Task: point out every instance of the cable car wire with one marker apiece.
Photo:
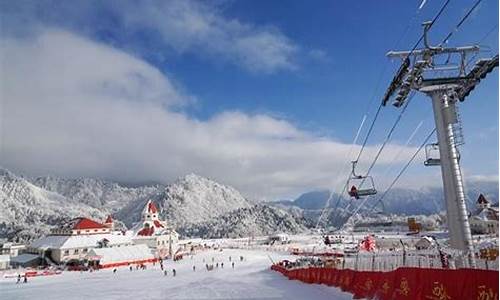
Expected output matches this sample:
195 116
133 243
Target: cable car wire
457 27
401 172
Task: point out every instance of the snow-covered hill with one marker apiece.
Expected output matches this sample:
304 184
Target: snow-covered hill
96 193
257 220
189 200
27 211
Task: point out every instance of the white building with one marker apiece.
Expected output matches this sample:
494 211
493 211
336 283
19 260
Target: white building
156 234
73 240
4 261
485 219
12 249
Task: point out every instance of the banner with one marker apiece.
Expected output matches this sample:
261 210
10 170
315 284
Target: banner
403 283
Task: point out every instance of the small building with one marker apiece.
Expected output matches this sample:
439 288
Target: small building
12 249
4 261
279 238
425 243
155 233
484 220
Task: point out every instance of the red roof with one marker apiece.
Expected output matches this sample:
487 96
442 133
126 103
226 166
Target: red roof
152 208
108 220
84 223
157 223
146 231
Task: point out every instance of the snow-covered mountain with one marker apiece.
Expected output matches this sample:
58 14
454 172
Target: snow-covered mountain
27 211
189 200
257 220
96 193
30 207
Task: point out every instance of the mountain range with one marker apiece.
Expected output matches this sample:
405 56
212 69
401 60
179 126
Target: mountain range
195 205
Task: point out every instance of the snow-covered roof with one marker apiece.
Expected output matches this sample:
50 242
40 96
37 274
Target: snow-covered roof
79 241
486 214
122 254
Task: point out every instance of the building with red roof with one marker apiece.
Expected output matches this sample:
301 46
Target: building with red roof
81 226
155 233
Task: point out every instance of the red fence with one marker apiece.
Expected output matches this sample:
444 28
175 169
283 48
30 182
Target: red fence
404 283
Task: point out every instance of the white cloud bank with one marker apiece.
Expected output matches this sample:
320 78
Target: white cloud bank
73 107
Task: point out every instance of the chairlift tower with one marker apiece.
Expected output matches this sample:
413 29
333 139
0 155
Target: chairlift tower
445 92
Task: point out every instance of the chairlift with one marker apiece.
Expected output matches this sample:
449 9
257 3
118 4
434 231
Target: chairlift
355 182
432 155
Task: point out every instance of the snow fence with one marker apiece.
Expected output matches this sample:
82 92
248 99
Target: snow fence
403 283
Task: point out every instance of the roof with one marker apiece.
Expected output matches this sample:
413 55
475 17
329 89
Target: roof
24 258
150 208
486 214
82 223
108 220
79 241
146 231
122 254
482 200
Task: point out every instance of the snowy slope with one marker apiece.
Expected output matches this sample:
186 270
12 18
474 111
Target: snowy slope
250 279
27 211
257 220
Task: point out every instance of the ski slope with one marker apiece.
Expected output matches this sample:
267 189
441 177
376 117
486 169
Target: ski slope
250 279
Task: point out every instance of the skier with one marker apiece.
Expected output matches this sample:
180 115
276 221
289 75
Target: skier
217 265
229 258
18 278
25 278
232 264
165 273
174 272
194 268
114 271
130 268
241 258
222 265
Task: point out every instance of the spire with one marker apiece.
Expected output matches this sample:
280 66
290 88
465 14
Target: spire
109 220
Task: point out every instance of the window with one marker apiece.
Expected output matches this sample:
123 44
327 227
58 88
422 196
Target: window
85 250
78 232
76 251
66 252
87 230
95 230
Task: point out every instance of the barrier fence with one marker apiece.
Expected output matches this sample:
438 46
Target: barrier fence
403 283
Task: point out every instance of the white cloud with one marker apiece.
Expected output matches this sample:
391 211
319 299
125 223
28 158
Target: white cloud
73 107
197 27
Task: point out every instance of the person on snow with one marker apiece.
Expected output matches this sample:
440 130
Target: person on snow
174 272
217 265
114 270
222 265
165 273
232 264
229 258
130 268
18 278
194 268
25 278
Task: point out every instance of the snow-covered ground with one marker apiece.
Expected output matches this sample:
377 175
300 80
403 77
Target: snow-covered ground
250 279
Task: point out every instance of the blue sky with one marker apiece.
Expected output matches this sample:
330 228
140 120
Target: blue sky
311 67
